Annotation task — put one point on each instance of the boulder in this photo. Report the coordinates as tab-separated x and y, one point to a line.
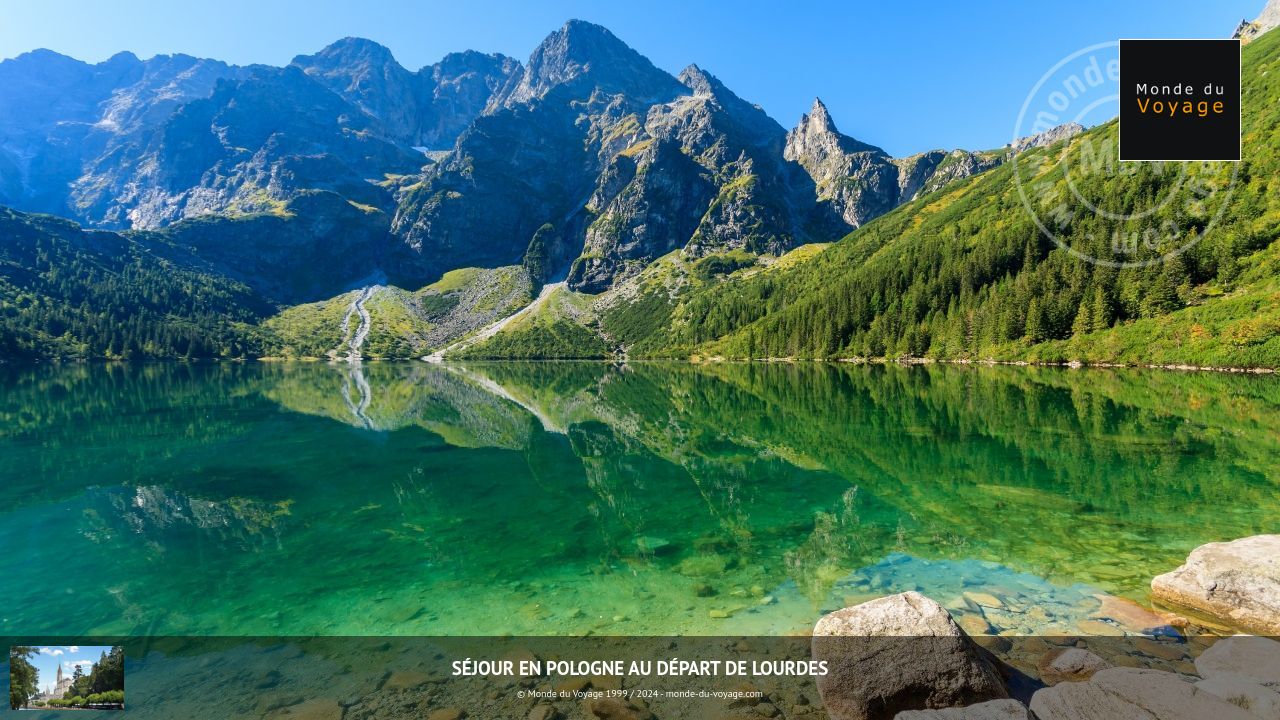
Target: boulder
1236	583
1132	694
615	709
1130	615
1256	659
1261	701
901	652
990	710
309	710
1069	665
406	680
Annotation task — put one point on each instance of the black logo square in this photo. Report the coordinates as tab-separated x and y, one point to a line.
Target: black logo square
1179	99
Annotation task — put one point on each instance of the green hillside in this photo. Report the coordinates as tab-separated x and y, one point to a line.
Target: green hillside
68	293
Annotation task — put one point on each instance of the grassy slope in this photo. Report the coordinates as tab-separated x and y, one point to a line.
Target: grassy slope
638	317
561	329
657	314
406	324
1240	329
309	330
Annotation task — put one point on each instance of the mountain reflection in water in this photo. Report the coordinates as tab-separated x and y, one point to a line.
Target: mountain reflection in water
584	497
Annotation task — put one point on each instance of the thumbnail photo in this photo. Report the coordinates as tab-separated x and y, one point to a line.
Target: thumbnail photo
68	677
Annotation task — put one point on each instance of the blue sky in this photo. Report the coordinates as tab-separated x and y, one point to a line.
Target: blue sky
907	76
50	656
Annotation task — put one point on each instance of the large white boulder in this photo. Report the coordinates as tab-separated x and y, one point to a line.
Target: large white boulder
901	652
1236	583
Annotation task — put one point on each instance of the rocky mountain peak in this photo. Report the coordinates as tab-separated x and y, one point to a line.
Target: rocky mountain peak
750	119
457	63
585	57
1266	20
699	81
427	108
348	50
44	55
124	57
855	181
819	118
817	145
366	74
354	67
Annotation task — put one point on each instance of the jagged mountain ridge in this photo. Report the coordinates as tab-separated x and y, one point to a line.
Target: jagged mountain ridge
129	143
643	164
65	122
622	160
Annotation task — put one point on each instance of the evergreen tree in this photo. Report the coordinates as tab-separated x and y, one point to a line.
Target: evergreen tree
1102	311
1084	319
1161	297
1035	324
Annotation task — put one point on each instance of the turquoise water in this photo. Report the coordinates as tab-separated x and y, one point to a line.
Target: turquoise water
567	498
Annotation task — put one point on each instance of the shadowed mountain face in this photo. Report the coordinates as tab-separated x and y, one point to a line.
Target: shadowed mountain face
140	144
68	129
613	161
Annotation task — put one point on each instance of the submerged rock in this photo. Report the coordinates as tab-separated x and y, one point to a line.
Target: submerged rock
901	652
650	545
544	712
975	624
310	710
406	680
1069	665
1129	615
1132	693
1236	583
615	709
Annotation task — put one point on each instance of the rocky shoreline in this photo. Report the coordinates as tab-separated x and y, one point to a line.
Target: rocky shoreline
903	657
1073	364
697	360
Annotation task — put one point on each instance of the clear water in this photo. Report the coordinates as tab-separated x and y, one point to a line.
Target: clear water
566	498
